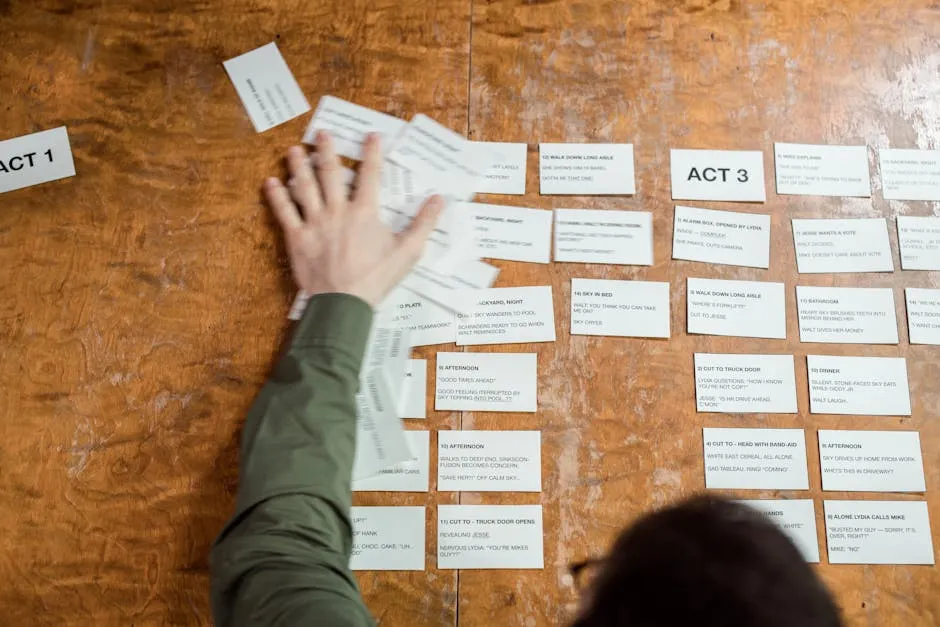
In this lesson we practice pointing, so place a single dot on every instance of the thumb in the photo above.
(414, 237)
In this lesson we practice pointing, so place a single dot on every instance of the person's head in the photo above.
(708, 562)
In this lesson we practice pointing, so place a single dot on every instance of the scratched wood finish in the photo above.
(620, 431)
(143, 300)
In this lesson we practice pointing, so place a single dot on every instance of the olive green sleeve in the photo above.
(283, 558)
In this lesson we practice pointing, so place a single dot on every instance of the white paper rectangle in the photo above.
(489, 461)
(486, 382)
(734, 175)
(508, 315)
(489, 536)
(601, 236)
(813, 170)
(910, 174)
(755, 459)
(512, 233)
(267, 88)
(847, 315)
(854, 245)
(736, 384)
(871, 461)
(386, 357)
(414, 390)
(919, 242)
(507, 174)
(349, 124)
(410, 476)
(439, 158)
(428, 322)
(859, 386)
(452, 289)
(586, 169)
(474, 275)
(725, 237)
(387, 538)
(878, 532)
(923, 315)
(796, 518)
(619, 308)
(452, 239)
(737, 308)
(380, 437)
(36, 158)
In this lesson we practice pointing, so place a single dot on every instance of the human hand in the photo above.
(338, 244)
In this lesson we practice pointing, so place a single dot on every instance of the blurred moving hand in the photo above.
(338, 244)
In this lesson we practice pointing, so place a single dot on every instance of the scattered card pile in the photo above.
(421, 158)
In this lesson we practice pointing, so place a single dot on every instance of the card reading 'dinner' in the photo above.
(601, 236)
(755, 459)
(725, 237)
(619, 308)
(735, 384)
(737, 308)
(486, 382)
(586, 169)
(860, 386)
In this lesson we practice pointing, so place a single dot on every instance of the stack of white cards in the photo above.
(421, 158)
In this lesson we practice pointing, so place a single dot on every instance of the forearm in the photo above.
(286, 549)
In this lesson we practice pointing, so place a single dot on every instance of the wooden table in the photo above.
(143, 300)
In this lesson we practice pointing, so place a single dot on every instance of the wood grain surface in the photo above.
(143, 300)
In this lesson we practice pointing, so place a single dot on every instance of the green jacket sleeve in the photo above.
(283, 558)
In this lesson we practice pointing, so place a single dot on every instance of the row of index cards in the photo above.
(602, 236)
(272, 96)
(724, 383)
(857, 532)
(616, 308)
(714, 175)
(728, 175)
(750, 459)
(512, 536)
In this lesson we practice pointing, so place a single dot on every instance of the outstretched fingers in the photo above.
(302, 183)
(281, 204)
(370, 172)
(330, 173)
(413, 238)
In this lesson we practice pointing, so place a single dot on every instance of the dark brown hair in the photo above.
(707, 562)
